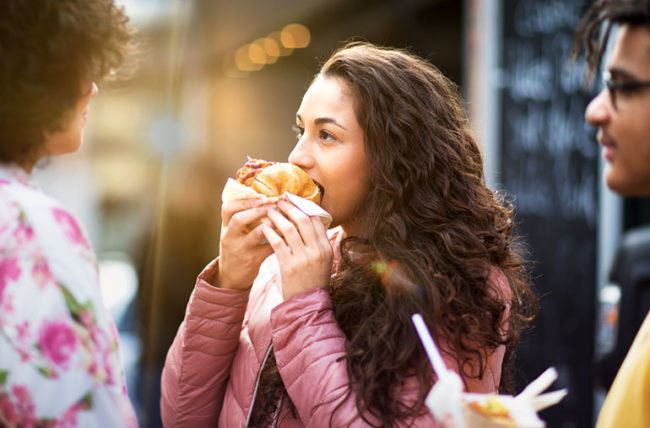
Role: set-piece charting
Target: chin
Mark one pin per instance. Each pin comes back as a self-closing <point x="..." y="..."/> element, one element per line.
<point x="614" y="185"/>
<point x="626" y="188"/>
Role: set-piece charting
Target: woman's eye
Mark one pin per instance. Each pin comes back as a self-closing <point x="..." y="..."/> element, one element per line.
<point x="299" y="131"/>
<point x="324" y="135"/>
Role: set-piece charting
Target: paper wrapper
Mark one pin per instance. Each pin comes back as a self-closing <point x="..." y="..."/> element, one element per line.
<point x="461" y="415"/>
<point x="234" y="190"/>
<point x="475" y="419"/>
<point x="450" y="407"/>
<point x="520" y="414"/>
<point x="454" y="408"/>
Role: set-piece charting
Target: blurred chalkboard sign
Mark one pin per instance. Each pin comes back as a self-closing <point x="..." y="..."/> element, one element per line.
<point x="549" y="164"/>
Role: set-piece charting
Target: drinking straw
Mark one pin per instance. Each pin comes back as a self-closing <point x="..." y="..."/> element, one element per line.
<point x="430" y="346"/>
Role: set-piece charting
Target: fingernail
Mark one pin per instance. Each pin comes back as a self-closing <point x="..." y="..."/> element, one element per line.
<point x="255" y="203"/>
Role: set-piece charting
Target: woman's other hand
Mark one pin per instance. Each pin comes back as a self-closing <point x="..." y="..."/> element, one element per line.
<point x="304" y="251"/>
<point x="241" y="252"/>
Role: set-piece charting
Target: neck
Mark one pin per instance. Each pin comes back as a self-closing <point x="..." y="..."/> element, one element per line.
<point x="348" y="230"/>
<point x="27" y="166"/>
<point x="30" y="162"/>
<point x="352" y="229"/>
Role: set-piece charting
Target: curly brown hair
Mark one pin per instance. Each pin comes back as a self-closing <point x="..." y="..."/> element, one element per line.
<point x="430" y="220"/>
<point x="606" y="12"/>
<point x="48" y="49"/>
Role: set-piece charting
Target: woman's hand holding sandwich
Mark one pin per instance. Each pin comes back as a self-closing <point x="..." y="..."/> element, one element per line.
<point x="244" y="245"/>
<point x="241" y="252"/>
<point x="304" y="251"/>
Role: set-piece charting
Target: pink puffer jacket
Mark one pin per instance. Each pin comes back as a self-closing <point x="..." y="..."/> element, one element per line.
<point x="212" y="367"/>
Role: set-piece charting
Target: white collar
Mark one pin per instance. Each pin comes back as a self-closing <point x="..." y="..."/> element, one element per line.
<point x="13" y="173"/>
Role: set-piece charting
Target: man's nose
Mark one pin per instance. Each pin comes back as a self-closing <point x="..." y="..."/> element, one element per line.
<point x="599" y="109"/>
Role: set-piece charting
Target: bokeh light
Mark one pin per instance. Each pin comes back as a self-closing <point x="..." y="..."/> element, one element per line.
<point x="266" y="50"/>
<point x="272" y="49"/>
<point x="257" y="54"/>
<point x="295" y="36"/>
<point x="243" y="60"/>
<point x="276" y="36"/>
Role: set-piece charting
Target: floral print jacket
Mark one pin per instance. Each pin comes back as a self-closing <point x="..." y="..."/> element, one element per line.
<point x="59" y="362"/>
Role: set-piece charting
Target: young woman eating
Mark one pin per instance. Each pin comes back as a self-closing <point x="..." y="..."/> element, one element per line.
<point x="313" y="328"/>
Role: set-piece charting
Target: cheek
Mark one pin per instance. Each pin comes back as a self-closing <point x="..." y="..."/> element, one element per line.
<point x="634" y="141"/>
<point x="638" y="158"/>
<point x="348" y="184"/>
<point x="356" y="186"/>
<point x="629" y="173"/>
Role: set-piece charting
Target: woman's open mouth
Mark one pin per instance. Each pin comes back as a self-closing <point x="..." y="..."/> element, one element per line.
<point x="322" y="190"/>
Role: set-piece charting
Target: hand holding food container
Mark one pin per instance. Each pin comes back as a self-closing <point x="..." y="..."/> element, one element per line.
<point x="259" y="185"/>
<point x="455" y="408"/>
<point x="273" y="181"/>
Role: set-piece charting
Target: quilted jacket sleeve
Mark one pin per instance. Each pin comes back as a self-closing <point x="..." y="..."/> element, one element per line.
<point x="198" y="363"/>
<point x="309" y="347"/>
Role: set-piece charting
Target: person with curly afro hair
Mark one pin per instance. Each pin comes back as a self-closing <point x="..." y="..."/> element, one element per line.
<point x="59" y="353"/>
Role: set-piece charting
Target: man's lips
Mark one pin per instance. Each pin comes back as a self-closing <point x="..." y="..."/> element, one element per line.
<point x="605" y="140"/>
<point x="608" y="145"/>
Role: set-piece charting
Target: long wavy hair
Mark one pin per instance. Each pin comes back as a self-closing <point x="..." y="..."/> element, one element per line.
<point x="432" y="234"/>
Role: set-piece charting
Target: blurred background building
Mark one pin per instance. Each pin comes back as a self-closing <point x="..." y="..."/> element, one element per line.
<point x="219" y="80"/>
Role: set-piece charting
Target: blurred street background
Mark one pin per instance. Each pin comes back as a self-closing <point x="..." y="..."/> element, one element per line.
<point x="219" y="80"/>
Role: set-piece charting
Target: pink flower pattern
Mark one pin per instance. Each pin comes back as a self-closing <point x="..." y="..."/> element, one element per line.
<point x="70" y="227"/>
<point x="57" y="342"/>
<point x="24" y="404"/>
<point x="62" y="338"/>
<point x="18" y="409"/>
<point x="23" y="233"/>
<point x="8" y="409"/>
<point x="9" y="271"/>
<point x="41" y="272"/>
<point x="22" y="330"/>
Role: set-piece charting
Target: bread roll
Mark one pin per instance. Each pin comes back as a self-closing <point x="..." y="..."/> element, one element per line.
<point x="275" y="178"/>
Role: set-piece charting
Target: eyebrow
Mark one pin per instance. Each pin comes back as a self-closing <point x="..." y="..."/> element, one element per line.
<point x="620" y="72"/>
<point x="321" y="120"/>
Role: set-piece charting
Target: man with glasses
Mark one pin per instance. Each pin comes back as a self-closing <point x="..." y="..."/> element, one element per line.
<point x="621" y="112"/>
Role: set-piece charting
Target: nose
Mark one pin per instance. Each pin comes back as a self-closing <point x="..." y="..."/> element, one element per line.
<point x="301" y="155"/>
<point x="94" y="90"/>
<point x="598" y="111"/>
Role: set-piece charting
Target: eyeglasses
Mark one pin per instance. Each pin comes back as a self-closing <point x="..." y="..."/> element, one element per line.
<point x="624" y="88"/>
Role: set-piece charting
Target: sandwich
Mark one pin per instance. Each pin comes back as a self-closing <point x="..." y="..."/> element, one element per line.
<point x="489" y="411"/>
<point x="273" y="181"/>
<point x="274" y="178"/>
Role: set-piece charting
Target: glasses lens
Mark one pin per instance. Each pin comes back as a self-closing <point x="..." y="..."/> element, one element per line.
<point x="607" y="80"/>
